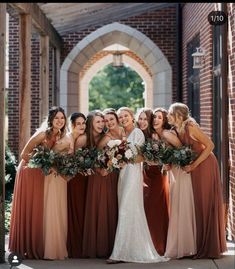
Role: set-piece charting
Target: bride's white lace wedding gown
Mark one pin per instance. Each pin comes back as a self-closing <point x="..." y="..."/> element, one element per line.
<point x="133" y="241"/>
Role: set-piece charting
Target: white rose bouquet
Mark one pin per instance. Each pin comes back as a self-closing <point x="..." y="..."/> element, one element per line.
<point x="116" y="154"/>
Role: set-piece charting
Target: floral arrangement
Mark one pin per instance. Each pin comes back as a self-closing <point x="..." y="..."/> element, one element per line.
<point x="65" y="165"/>
<point x="161" y="153"/>
<point x="42" y="157"/>
<point x="183" y="156"/>
<point x="85" y="160"/>
<point x="116" y="154"/>
<point x="156" y="151"/>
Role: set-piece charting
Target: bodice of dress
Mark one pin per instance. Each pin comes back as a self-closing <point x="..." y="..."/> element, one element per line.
<point x="186" y="139"/>
<point x="64" y="145"/>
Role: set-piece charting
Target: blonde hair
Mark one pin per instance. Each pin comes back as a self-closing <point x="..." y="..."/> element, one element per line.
<point x="124" y="108"/>
<point x="181" y="113"/>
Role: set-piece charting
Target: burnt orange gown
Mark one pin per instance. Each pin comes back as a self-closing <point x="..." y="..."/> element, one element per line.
<point x="208" y="200"/>
<point x="156" y="205"/>
<point x="26" y="225"/>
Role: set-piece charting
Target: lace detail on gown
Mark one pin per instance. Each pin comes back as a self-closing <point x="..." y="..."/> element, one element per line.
<point x="133" y="241"/>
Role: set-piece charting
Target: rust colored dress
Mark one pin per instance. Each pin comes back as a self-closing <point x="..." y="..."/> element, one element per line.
<point x="101" y="215"/>
<point x="156" y="205"/>
<point x="76" y="192"/>
<point x="208" y="200"/>
<point x="26" y="226"/>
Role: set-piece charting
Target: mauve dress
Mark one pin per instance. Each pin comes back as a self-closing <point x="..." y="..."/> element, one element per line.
<point x="77" y="188"/>
<point x="156" y="205"/>
<point x="208" y="200"/>
<point x="26" y="226"/>
<point x="101" y="215"/>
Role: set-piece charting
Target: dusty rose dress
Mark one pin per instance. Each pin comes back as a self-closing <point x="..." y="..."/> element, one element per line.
<point x="77" y="188"/>
<point x="101" y="215"/>
<point x="26" y="227"/>
<point x="156" y="205"/>
<point x="208" y="200"/>
<point x="55" y="223"/>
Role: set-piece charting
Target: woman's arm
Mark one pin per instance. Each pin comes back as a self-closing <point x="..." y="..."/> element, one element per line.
<point x="197" y="134"/>
<point x="34" y="141"/>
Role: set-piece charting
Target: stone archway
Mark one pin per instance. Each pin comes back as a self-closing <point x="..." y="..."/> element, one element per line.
<point x="138" y="68"/>
<point x="105" y="36"/>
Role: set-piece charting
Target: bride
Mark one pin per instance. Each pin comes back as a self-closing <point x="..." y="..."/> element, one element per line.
<point x="133" y="241"/>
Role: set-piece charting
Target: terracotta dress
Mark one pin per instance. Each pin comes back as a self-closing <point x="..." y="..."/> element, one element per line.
<point x="156" y="205"/>
<point x="77" y="188"/>
<point x="55" y="210"/>
<point x="101" y="214"/>
<point x="207" y="190"/>
<point x="26" y="226"/>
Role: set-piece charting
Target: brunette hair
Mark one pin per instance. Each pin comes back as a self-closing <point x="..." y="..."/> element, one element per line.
<point x="164" y="112"/>
<point x="89" y="127"/>
<point x="149" y="114"/>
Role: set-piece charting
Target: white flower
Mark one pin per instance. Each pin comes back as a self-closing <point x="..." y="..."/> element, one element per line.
<point x="114" y="161"/>
<point x="113" y="143"/>
<point x="128" y="154"/>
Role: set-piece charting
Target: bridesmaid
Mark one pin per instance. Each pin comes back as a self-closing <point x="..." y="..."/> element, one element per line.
<point x="26" y="226"/>
<point x="96" y="223"/>
<point x="211" y="240"/>
<point x="55" y="196"/>
<point x="156" y="190"/>
<point x="76" y="192"/>
<point x="181" y="234"/>
<point x="114" y="132"/>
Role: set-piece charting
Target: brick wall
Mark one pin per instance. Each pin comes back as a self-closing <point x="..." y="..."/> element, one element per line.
<point x="13" y="93"/>
<point x="195" y="22"/>
<point x="231" y="87"/>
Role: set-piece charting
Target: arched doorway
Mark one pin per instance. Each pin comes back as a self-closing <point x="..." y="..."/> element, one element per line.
<point x="141" y="45"/>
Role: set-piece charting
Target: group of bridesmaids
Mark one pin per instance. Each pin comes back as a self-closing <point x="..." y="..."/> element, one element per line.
<point x="83" y="217"/>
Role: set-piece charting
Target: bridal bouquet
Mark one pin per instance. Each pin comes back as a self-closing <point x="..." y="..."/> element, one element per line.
<point x="183" y="156"/>
<point x="116" y="154"/>
<point x="43" y="158"/>
<point x="85" y="160"/>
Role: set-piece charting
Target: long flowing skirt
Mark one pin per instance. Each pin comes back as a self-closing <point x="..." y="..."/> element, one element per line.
<point x="101" y="215"/>
<point x="181" y="239"/>
<point x="207" y="190"/>
<point x="26" y="226"/>
<point x="77" y="188"/>
<point x="55" y="218"/>
<point x="156" y="205"/>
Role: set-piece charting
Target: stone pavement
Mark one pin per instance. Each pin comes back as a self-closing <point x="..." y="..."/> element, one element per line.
<point x="226" y="262"/>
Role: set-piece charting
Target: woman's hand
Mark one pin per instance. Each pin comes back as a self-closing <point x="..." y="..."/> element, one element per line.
<point x="103" y="172"/>
<point x="188" y="168"/>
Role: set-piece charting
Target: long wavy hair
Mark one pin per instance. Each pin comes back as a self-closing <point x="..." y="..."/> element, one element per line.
<point x="181" y="114"/>
<point x="164" y="112"/>
<point x="149" y="114"/>
<point x="89" y="128"/>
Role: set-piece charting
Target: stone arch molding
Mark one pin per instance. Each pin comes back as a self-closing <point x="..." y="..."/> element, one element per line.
<point x="103" y="37"/>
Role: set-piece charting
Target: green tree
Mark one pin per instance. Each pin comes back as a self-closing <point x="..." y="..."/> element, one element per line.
<point x="116" y="87"/>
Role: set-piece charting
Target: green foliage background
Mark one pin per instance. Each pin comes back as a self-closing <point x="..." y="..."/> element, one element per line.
<point x="116" y="87"/>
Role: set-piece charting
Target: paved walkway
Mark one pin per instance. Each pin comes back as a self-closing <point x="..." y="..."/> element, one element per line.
<point x="226" y="262"/>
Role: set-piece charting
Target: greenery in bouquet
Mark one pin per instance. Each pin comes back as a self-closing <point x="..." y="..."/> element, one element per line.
<point x="85" y="160"/>
<point x="183" y="156"/>
<point x="116" y="154"/>
<point x="65" y="165"/>
<point x="156" y="151"/>
<point x="43" y="158"/>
